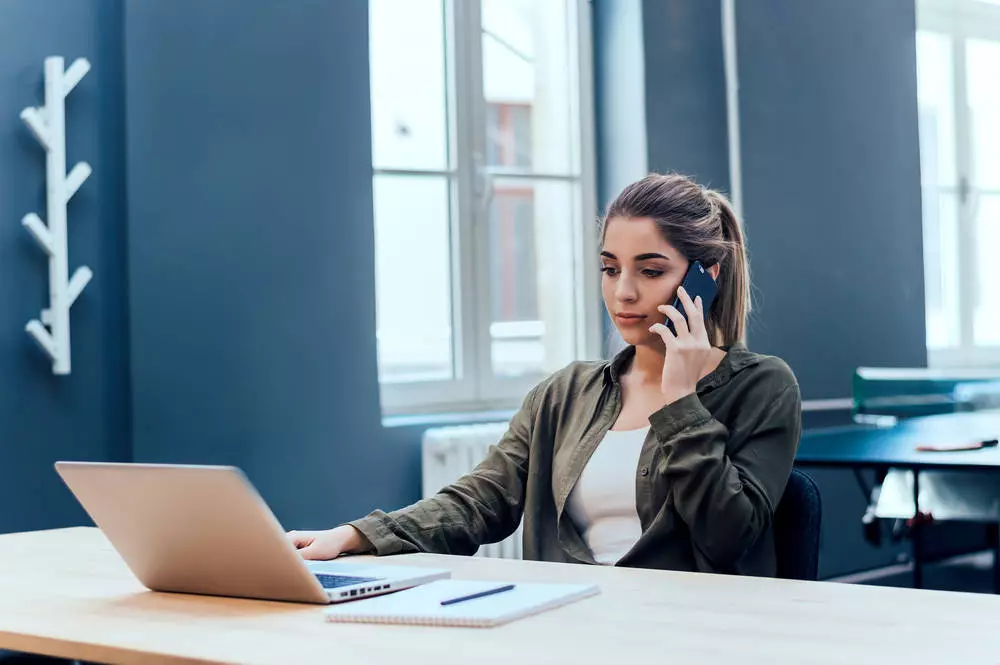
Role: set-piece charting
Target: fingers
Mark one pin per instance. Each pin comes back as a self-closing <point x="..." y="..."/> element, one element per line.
<point x="312" y="553"/>
<point x="664" y="332"/>
<point x="300" y="538"/>
<point x="322" y="549"/>
<point x="695" y="312"/>
<point x="675" y="316"/>
<point x="316" y="545"/>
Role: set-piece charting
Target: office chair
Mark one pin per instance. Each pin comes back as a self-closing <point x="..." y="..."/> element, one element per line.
<point x="796" y="528"/>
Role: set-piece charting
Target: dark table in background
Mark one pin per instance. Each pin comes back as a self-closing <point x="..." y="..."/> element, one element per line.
<point x="881" y="448"/>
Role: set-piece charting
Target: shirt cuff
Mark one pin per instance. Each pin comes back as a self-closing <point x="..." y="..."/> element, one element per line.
<point x="678" y="416"/>
<point x="374" y="528"/>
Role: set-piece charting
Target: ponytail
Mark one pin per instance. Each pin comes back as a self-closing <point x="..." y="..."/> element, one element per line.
<point x="732" y="306"/>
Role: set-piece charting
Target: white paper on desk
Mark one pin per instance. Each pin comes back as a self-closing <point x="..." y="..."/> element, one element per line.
<point x="421" y="605"/>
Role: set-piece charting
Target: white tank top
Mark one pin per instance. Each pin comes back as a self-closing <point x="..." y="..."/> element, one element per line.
<point x="602" y="503"/>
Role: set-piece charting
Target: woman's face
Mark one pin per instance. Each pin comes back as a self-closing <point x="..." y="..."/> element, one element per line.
<point x="641" y="271"/>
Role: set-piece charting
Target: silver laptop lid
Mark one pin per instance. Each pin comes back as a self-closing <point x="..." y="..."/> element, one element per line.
<point x="192" y="529"/>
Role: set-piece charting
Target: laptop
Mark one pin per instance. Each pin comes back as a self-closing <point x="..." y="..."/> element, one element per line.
<point x="206" y="530"/>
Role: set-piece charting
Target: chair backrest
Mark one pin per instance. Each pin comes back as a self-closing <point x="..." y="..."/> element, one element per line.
<point x="796" y="528"/>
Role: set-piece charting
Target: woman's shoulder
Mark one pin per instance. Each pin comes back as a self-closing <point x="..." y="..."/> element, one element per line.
<point x="775" y="367"/>
<point x="578" y="374"/>
<point x="577" y="379"/>
<point x="762" y="371"/>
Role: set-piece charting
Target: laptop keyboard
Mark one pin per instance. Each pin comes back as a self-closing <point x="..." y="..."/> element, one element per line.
<point x="334" y="581"/>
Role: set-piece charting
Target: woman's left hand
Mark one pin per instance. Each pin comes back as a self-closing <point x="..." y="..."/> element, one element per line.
<point x="688" y="351"/>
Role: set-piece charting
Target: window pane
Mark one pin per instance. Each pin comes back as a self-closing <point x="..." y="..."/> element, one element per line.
<point x="408" y="78"/>
<point x="413" y="278"/>
<point x="983" y="59"/>
<point x="941" y="273"/>
<point x="532" y="249"/>
<point x="935" y="93"/>
<point x="987" y="311"/>
<point x="529" y="81"/>
<point x="508" y="135"/>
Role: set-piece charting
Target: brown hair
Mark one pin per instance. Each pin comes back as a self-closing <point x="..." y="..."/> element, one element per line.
<point x="701" y="224"/>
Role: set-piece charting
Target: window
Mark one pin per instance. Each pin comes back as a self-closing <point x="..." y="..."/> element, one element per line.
<point x="958" y="57"/>
<point x="485" y="233"/>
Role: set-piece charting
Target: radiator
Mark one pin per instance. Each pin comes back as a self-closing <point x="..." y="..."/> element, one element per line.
<point x="450" y="452"/>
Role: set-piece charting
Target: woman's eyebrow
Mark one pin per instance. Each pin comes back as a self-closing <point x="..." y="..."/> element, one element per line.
<point x="639" y="257"/>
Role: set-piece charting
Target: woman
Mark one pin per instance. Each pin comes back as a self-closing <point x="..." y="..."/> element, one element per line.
<point x="672" y="455"/>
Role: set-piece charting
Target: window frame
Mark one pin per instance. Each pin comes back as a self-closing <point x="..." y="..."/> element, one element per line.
<point x="961" y="20"/>
<point x="474" y="387"/>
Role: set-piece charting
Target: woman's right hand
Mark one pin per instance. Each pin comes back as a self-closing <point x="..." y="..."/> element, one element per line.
<point x="329" y="544"/>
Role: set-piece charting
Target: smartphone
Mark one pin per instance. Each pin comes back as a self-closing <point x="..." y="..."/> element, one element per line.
<point x="697" y="282"/>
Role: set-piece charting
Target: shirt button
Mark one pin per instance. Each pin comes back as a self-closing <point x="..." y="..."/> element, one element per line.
<point x="644" y="470"/>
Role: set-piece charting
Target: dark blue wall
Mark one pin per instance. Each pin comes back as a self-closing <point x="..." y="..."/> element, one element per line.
<point x="660" y="92"/>
<point x="251" y="251"/>
<point x="831" y="185"/>
<point x="685" y="95"/>
<point x="84" y="415"/>
<point x="831" y="200"/>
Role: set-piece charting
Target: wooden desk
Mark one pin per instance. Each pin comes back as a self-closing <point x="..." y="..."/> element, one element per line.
<point x="67" y="593"/>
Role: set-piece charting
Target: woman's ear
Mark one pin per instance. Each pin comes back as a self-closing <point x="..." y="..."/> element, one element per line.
<point x="714" y="271"/>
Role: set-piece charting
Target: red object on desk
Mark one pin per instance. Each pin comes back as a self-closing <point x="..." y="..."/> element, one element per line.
<point x="950" y="447"/>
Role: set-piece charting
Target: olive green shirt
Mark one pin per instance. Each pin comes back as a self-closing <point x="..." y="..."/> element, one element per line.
<point x="710" y="474"/>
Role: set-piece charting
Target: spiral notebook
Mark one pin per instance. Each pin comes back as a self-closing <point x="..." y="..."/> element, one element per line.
<point x="422" y="605"/>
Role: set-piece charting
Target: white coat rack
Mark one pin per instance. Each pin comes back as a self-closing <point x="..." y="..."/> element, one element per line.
<point x="48" y="124"/>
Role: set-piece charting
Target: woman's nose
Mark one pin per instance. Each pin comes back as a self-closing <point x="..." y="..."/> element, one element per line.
<point x="626" y="290"/>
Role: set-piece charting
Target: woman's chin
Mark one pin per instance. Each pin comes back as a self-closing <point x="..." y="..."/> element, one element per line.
<point x="636" y="336"/>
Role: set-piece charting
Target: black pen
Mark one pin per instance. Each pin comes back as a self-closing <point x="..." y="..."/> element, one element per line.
<point x="488" y="592"/>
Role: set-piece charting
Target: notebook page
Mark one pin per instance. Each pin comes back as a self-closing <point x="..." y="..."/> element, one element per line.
<point x="422" y="604"/>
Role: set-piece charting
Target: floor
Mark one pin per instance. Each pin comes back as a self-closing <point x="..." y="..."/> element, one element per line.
<point x="969" y="573"/>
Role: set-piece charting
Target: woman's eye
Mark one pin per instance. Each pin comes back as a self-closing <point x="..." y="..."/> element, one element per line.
<point x="609" y="270"/>
<point x="649" y="272"/>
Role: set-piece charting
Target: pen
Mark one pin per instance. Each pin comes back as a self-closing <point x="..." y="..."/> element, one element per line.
<point x="990" y="443"/>
<point x="488" y="592"/>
